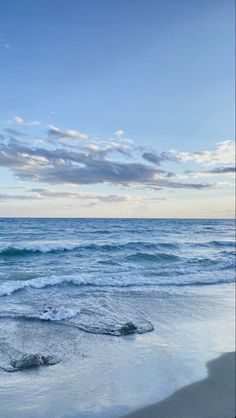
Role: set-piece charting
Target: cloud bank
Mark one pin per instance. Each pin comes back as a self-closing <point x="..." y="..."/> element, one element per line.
<point x="69" y="157"/>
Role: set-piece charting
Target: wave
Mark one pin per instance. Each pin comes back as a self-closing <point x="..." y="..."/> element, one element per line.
<point x="8" y="288"/>
<point x="209" y="244"/>
<point x="11" y="251"/>
<point x="160" y="257"/>
<point x="204" y="261"/>
<point x="131" y="245"/>
<point x="209" y="282"/>
<point x="96" y="316"/>
<point x="24" y="249"/>
<point x="214" y="243"/>
<point x="222" y="243"/>
<point x="50" y="313"/>
<point x="108" y="263"/>
<point x="227" y="253"/>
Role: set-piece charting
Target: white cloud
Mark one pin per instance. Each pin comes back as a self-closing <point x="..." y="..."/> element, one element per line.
<point x="93" y="148"/>
<point x="223" y="153"/>
<point x="119" y="133"/>
<point x="57" y="133"/>
<point x="23" y="122"/>
<point x="225" y="184"/>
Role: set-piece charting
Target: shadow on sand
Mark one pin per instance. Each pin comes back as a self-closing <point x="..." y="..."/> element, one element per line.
<point x="213" y="397"/>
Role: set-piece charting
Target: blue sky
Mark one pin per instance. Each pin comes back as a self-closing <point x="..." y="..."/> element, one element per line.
<point x="160" y="73"/>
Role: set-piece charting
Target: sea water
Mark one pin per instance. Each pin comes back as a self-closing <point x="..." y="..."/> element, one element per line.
<point x="128" y="309"/>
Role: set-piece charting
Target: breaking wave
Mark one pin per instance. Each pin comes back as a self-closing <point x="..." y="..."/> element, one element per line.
<point x="8" y="288"/>
<point x="50" y="313"/>
<point x="24" y="249"/>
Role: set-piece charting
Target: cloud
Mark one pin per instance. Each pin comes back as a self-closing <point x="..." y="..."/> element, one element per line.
<point x="6" y="196"/>
<point x="23" y="122"/>
<point x="219" y="171"/>
<point x="56" y="133"/>
<point x="54" y="162"/>
<point x="112" y="198"/>
<point x="223" y="170"/>
<point x="49" y="193"/>
<point x="152" y="158"/>
<point x="119" y="133"/>
<point x="225" y="184"/>
<point x="15" y="132"/>
<point x="89" y="198"/>
<point x="158" y="159"/>
<point x="106" y="149"/>
<point x="223" y="153"/>
<point x="3" y="41"/>
<point x="179" y="185"/>
<point x="61" y="166"/>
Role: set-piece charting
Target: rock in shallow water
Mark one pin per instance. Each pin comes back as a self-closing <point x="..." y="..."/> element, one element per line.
<point x="28" y="361"/>
<point x="128" y="328"/>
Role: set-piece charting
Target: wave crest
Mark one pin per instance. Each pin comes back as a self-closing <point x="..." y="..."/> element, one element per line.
<point x="50" y="313"/>
<point x="159" y="257"/>
<point x="10" y="287"/>
<point x="44" y="248"/>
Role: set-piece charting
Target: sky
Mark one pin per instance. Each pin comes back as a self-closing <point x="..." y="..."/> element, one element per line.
<point x="117" y="108"/>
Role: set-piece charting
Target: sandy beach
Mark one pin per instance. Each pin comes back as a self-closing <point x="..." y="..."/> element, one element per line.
<point x="208" y="398"/>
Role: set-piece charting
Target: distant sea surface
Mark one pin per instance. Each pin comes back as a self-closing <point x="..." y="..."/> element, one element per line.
<point x="59" y="277"/>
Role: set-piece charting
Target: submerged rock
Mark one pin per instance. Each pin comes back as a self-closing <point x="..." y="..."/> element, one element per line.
<point x="128" y="328"/>
<point x="117" y="329"/>
<point x="28" y="361"/>
<point x="50" y="360"/>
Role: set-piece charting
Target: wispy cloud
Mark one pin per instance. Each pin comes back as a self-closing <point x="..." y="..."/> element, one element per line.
<point x="17" y="120"/>
<point x="90" y="198"/>
<point x="55" y="133"/>
<point x="108" y="148"/>
<point x="16" y="133"/>
<point x="3" y="41"/>
<point x="7" y="196"/>
<point x="222" y="170"/>
<point x="218" y="171"/>
<point x="119" y="133"/>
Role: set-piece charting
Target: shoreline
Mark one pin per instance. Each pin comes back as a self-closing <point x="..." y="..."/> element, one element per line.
<point x="211" y="397"/>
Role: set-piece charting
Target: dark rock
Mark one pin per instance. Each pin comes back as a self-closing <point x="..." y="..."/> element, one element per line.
<point x="128" y="328"/>
<point x="28" y="361"/>
<point x="50" y="360"/>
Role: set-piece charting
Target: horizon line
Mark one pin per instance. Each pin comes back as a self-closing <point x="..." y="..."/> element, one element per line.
<point x="133" y="218"/>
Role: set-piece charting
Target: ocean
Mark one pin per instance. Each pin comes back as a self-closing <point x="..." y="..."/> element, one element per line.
<point x="122" y="311"/>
